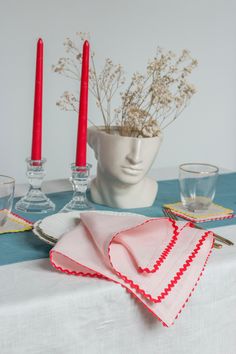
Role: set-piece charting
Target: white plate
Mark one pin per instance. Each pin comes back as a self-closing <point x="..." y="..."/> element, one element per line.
<point x="57" y="224"/>
<point x="41" y="235"/>
<point x="51" y="228"/>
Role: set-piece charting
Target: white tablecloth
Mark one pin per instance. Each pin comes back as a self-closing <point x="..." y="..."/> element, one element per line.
<point x="47" y="312"/>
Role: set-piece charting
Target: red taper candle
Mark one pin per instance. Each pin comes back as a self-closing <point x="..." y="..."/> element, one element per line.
<point x="83" y="109"/>
<point x="36" y="150"/>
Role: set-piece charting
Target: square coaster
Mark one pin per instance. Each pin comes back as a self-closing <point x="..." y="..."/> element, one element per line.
<point x="15" y="223"/>
<point x="214" y="212"/>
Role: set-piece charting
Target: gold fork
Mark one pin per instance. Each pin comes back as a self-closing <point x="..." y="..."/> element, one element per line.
<point x="168" y="213"/>
<point x="217" y="237"/>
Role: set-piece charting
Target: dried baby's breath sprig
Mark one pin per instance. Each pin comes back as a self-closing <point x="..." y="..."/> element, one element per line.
<point x="157" y="98"/>
<point x="150" y="103"/>
<point x="104" y="87"/>
<point x="68" y="102"/>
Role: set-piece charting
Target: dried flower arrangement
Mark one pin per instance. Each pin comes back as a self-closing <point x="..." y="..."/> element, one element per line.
<point x="150" y="103"/>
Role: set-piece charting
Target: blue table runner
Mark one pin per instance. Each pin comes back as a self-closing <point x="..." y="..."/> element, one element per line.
<point x="24" y="246"/>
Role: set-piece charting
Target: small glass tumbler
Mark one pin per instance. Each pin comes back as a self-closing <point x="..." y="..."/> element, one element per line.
<point x="7" y="189"/>
<point x="35" y="201"/>
<point x="197" y="185"/>
<point x="79" y="181"/>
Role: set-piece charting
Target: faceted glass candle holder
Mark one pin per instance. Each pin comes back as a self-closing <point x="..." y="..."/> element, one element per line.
<point x="79" y="180"/>
<point x="35" y="201"/>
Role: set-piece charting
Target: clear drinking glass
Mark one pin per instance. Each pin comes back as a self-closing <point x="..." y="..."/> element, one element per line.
<point x="7" y="189"/>
<point x="197" y="185"/>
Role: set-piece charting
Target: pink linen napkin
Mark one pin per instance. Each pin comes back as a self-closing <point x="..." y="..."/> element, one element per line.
<point x="158" y="260"/>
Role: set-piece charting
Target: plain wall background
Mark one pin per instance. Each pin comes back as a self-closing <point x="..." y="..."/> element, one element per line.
<point x="128" y="32"/>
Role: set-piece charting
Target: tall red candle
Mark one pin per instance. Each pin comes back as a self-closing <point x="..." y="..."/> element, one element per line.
<point x="36" y="149"/>
<point x="83" y="109"/>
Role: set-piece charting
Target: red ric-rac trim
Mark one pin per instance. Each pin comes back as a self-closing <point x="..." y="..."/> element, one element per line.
<point x="140" y="300"/>
<point x="100" y="276"/>
<point x="172" y="283"/>
<point x="166" y="251"/>
<point x="21" y="218"/>
<point x="195" y="285"/>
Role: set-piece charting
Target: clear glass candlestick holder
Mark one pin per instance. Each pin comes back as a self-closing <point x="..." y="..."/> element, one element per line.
<point x="79" y="181"/>
<point x="35" y="201"/>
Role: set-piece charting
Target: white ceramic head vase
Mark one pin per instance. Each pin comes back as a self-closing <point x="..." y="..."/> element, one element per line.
<point x="122" y="166"/>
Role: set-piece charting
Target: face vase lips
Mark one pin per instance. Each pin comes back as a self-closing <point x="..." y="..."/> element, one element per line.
<point x="132" y="170"/>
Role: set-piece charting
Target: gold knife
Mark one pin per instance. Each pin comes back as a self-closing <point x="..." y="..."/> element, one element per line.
<point x="217" y="237"/>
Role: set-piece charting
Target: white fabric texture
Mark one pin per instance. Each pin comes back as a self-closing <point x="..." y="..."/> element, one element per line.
<point x="43" y="311"/>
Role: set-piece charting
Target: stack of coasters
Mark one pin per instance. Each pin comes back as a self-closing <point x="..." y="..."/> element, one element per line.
<point x="214" y="212"/>
<point x="15" y="223"/>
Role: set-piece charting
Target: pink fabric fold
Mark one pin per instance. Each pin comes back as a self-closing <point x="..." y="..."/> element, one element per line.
<point x="158" y="260"/>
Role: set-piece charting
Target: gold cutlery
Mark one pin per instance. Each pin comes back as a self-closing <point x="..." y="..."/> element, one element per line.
<point x="217" y="237"/>
<point x="167" y="212"/>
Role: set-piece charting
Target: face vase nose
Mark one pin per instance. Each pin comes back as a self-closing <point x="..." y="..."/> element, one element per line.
<point x="134" y="156"/>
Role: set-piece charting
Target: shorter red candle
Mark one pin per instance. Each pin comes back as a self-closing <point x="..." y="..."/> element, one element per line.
<point x="36" y="149"/>
<point x="83" y="109"/>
